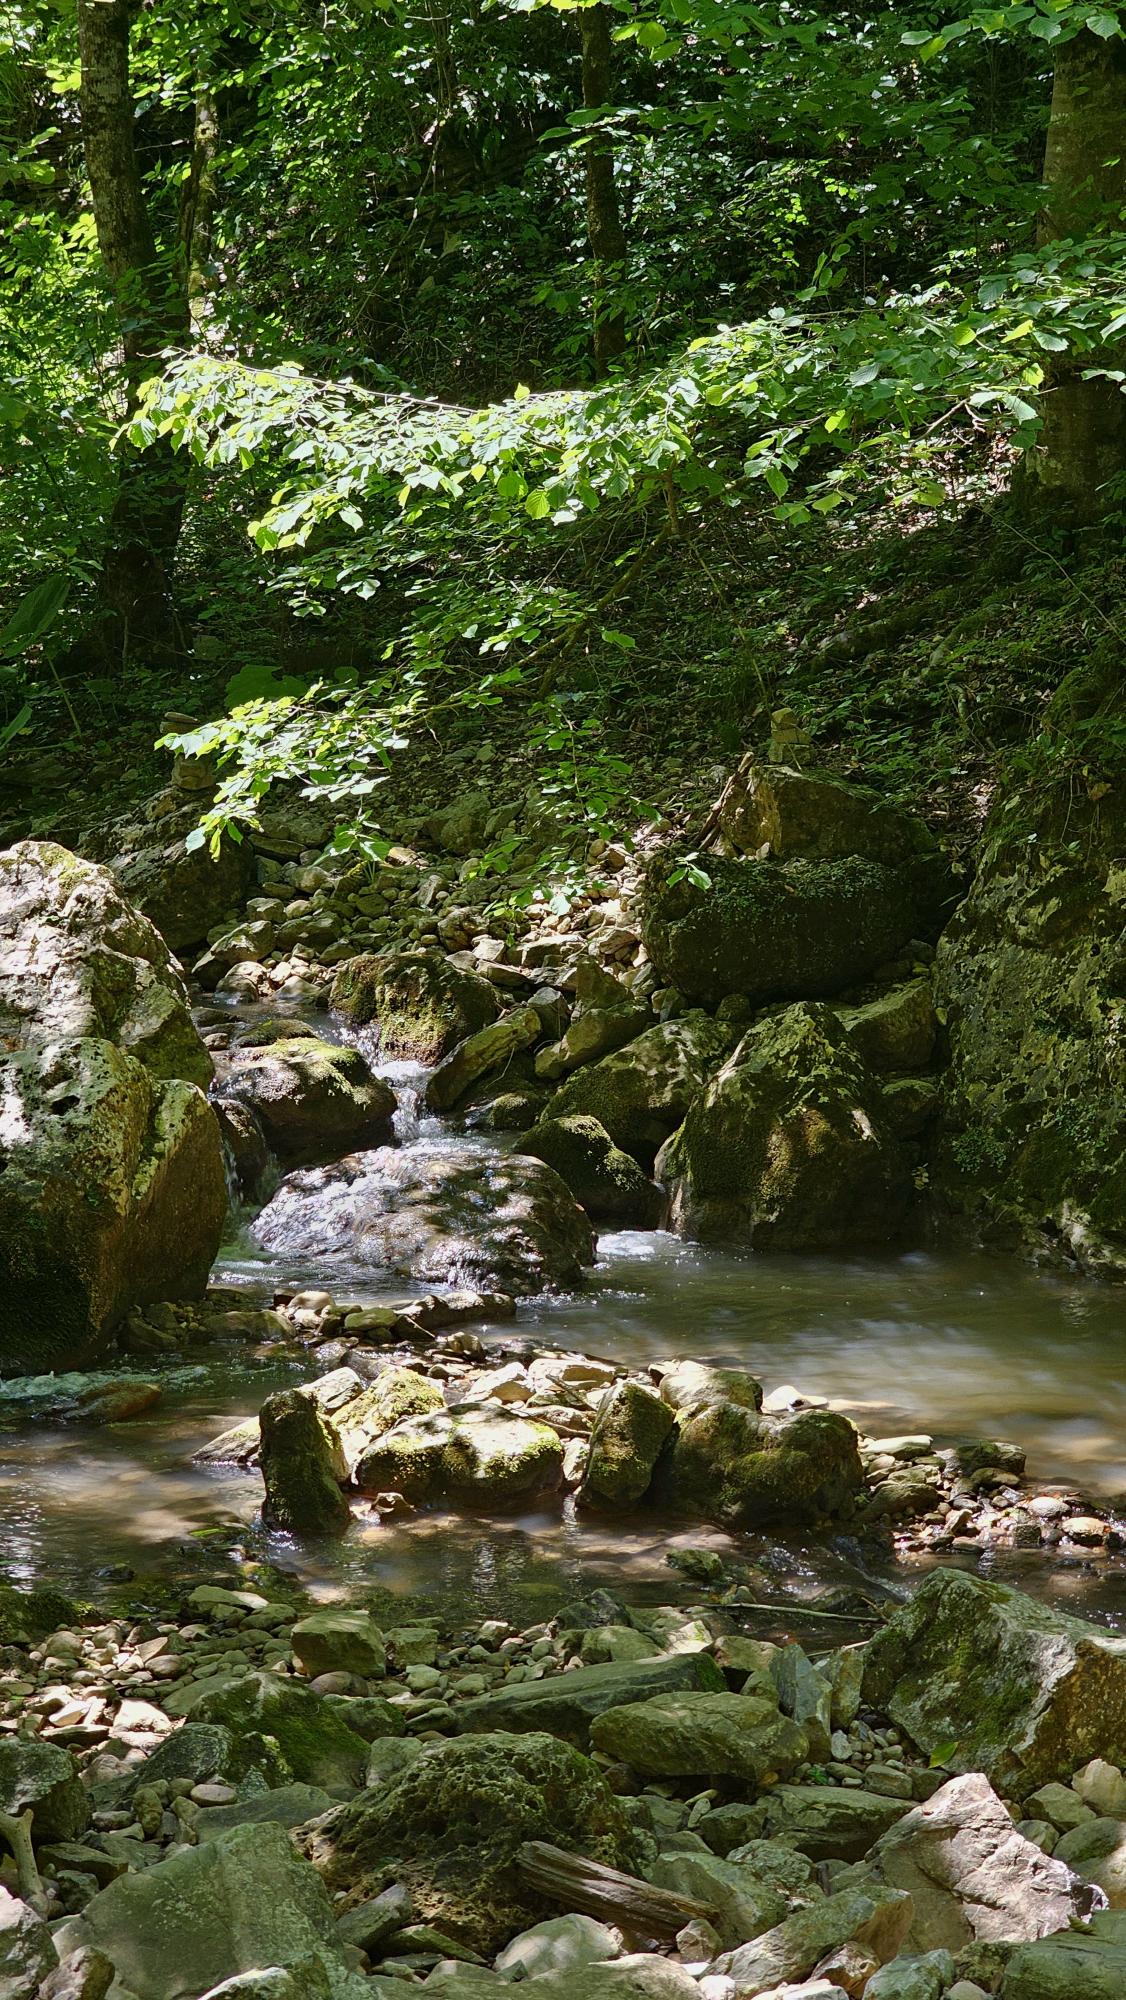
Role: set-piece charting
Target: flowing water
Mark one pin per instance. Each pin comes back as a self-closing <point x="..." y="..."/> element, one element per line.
<point x="951" y="1343"/>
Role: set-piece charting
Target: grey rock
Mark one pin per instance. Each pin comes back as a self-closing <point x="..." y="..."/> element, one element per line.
<point x="566" y="1704"/>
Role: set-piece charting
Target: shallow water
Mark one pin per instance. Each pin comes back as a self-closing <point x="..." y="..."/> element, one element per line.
<point x="946" y="1342"/>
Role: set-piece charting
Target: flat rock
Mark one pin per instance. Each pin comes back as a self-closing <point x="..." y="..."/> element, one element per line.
<point x="566" y="1704"/>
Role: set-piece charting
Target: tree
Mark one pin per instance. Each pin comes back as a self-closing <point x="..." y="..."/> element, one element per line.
<point x="605" y="232"/>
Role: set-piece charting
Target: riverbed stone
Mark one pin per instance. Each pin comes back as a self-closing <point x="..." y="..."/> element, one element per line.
<point x="416" y="1002"/>
<point x="479" y="1459"/>
<point x="787" y="1147"/>
<point x="687" y="1735"/>
<point x="630" y="1432"/>
<point x="45" y="1777"/>
<point x="732" y="1465"/>
<point x="1024" y="1692"/>
<point x="313" y="1743"/>
<point x="815" y="817"/>
<point x="450" y="1826"/>
<point x="824" y="1822"/>
<point x="441" y="1217"/>
<point x="27" y="1954"/>
<point x="915" y="1976"/>
<point x="559" y="1944"/>
<point x="1097" y="1851"/>
<point x="604" y="1180"/>
<point x="566" y="1705"/>
<point x="395" y="1394"/>
<point x="313" y="1099"/>
<point x="490" y="1048"/>
<point x="283" y="1805"/>
<point x="897" y="1032"/>
<point x="337" y="1640"/>
<point x="1084" y="1964"/>
<point x="741" y="1906"/>
<point x="300" y="1464"/>
<point x="642" y="1092"/>
<point x="874" y="1916"/>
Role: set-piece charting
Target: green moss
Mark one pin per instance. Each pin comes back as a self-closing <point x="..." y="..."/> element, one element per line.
<point x="420" y="1004"/>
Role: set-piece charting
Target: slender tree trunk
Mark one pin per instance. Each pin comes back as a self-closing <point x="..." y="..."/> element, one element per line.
<point x="152" y="303"/>
<point x="1083" y="442"/>
<point x="605" y="232"/>
<point x="199" y="201"/>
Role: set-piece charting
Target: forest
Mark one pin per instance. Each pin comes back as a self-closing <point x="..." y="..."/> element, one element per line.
<point x="562" y="1000"/>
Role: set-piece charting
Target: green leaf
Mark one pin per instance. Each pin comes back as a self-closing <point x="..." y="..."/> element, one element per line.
<point x="34" y="614"/>
<point x="1104" y="25"/>
<point x="537" y="504"/>
<point x="941" y="1755"/>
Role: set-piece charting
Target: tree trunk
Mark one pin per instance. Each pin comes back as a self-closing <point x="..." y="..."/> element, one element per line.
<point x="199" y="200"/>
<point x="152" y="303"/>
<point x="605" y="233"/>
<point x="1083" y="442"/>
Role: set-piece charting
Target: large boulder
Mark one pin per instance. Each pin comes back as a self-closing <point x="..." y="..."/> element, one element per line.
<point x="630" y="1432"/>
<point x="1021" y="1691"/>
<point x="736" y="1736"/>
<point x="415" y="1002"/>
<point x="1030" y="978"/>
<point x="450" y="1826"/>
<point x="112" y="1188"/>
<point x="787" y="1148"/>
<point x="443" y="1218"/>
<point x="300" y="1459"/>
<point x="312" y="1745"/>
<point x="1083" y="1964"/>
<point x="313" y="1100"/>
<point x="228" y="1906"/>
<point x="44" y="1777"/>
<point x="874" y="1917"/>
<point x="642" y="1092"/>
<point x="185" y="892"/>
<point x="732" y="1465"/>
<point x="825" y="1822"/>
<point x="809" y="816"/>
<point x="490" y="1049"/>
<point x="774" y="930"/>
<point x="604" y="1180"/>
<point x="481" y="1461"/>
<point x="27" y="1954"/>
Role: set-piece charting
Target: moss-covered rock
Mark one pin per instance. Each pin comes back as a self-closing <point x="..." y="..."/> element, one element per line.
<point x="27" y="1615"/>
<point x="44" y="1777"/>
<point x="787" y="1148"/>
<point x="478" y="1461"/>
<point x="312" y="1742"/>
<point x="567" y="1704"/>
<point x="313" y="1100"/>
<point x="779" y="930"/>
<point x="642" y="1092"/>
<point x="449" y="1828"/>
<point x="480" y="1054"/>
<point x="604" y="1180"/>
<point x="739" y="1736"/>
<point x="629" y="1434"/>
<point x="1021" y="1691"/>
<point x="895" y="1033"/>
<point x="395" y="1394"/>
<point x="418" y="1004"/>
<point x="301" y="1467"/>
<point x="810" y="816"/>
<point x="337" y="1640"/>
<point x="731" y="1465"/>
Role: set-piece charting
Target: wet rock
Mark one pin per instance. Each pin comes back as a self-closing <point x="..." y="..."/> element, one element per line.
<point x="337" y="1640"/>
<point x="45" y="1777"/>
<point x="825" y="1822"/>
<point x="970" y="1875"/>
<point x="1025" y="1692"/>
<point x="787" y="1148"/>
<point x="567" y="1704"/>
<point x="1075" y="1965"/>
<point x="630" y="1432"/>
<point x="878" y="1918"/>
<point x="450" y="1826"/>
<point x="417" y="1003"/>
<point x="1097" y="1851"/>
<point x="442" y="1217"/>
<point x="300" y="1464"/>
<point x="27" y="1954"/>
<point x="491" y="1048"/>
<point x="702" y="1735"/>
<point x="232" y="1906"/>
<point x="313" y="1100"/>
<point x="604" y="1180"/>
<point x="808" y="815"/>
<point x="315" y="1747"/>
<point x="731" y="1465"/>
<point x="476" y="1460"/>
<point x="779" y="930"/>
<point x="642" y="1093"/>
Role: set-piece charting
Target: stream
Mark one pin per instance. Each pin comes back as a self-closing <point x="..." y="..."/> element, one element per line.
<point x="952" y="1343"/>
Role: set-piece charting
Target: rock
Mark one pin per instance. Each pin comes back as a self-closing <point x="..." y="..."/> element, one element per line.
<point x="185" y="894"/>
<point x="368" y="1924"/>
<point x="808" y="815"/>
<point x="459" y="827"/>
<point x="112" y="1192"/>
<point x="805" y="1694"/>
<point x="691" y="1386"/>
<point x="876" y="1917"/>
<point x="45" y="1777"/>
<point x="741" y="1906"/>
<point x="85" y="1974"/>
<point x="1076" y="1965"/>
<point x="596" y="1031"/>
<point x="313" y="1100"/>
<point x="731" y="1465"/>
<point x="418" y="1004"/>
<point x="27" y="1615"/>
<point x="970" y="1875"/>
<point x="921" y="1976"/>
<point x="1102" y="1786"/>
<point x="787" y="1148"/>
<point x="315" y="1747"/>
<point x="629" y="1434"/>
<point x="604" y="1180"/>
<point x="441" y="1217"/>
<point x="199" y="1751"/>
<point x="450" y="1826"/>
<point x="780" y="930"/>
<point x="702" y="1736"/>
<point x="490" y="1048"/>
<point x="560" y="1944"/>
<point x="339" y="1641"/>
<point x="642" y="1093"/>
<point x="284" y="1805"/>
<point x="477" y="1460"/>
<point x="1097" y="1851"/>
<point x="825" y="1822"/>
<point x="300" y="1466"/>
<point x="234" y="1905"/>
<point x="27" y="1954"/>
<point x="396" y="1393"/>
<point x="895" y="1033"/>
<point x="567" y="1704"/>
<point x="1025" y="1693"/>
<point x="1060" y="1806"/>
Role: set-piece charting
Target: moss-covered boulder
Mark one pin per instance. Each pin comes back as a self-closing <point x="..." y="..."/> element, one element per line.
<point x="395" y="1394"/>
<point x="44" y="1777"/>
<point x="301" y="1465"/>
<point x="738" y="1736"/>
<point x="27" y="1615"/>
<point x="449" y="1828"/>
<point x="479" y="1055"/>
<point x="313" y="1100"/>
<point x="480" y="1461"/>
<point x="468" y="1219"/>
<point x="787" y="1148"/>
<point x="339" y="1641"/>
<point x="604" y="1180"/>
<point x="688" y="1386"/>
<point x="642" y="1092"/>
<point x="810" y="816"/>
<point x="774" y="930"/>
<point x="897" y="1032"/>
<point x="313" y="1744"/>
<point x="1030" y="978"/>
<point x="1004" y="1684"/>
<point x="416" y="1002"/>
<point x="629" y="1435"/>
<point x="729" y="1464"/>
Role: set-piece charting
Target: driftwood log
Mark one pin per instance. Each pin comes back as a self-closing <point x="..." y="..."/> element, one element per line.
<point x="595" y="1891"/>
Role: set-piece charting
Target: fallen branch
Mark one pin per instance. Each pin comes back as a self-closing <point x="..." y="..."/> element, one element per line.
<point x="16" y="1830"/>
<point x="595" y="1891"/>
